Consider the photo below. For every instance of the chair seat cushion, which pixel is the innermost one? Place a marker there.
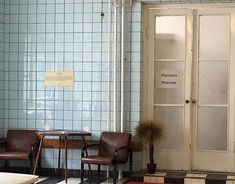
(97, 160)
(14, 155)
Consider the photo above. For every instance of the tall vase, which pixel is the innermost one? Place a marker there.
(151, 166)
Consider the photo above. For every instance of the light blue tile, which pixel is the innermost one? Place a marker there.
(87, 17)
(95, 125)
(87, 27)
(13, 19)
(12, 123)
(78, 17)
(68, 125)
(68, 27)
(86, 76)
(86, 116)
(59, 27)
(96, 96)
(13, 28)
(87, 47)
(39, 124)
(69, 37)
(41, 37)
(96, 65)
(78, 47)
(50, 27)
(78, 8)
(96, 76)
(69, 17)
(23, 19)
(50, 56)
(77, 116)
(50, 8)
(31, 124)
(97, 27)
(59, 37)
(59, 57)
(31, 8)
(59, 105)
(59, 47)
(50, 18)
(59, 125)
(14, 9)
(41, 18)
(50, 37)
(59, 17)
(88, 7)
(41, 8)
(59, 8)
(41, 28)
(50, 1)
(77, 102)
(68, 47)
(68, 7)
(68, 58)
(40, 47)
(68, 116)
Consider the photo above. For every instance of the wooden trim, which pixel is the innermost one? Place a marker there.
(77, 144)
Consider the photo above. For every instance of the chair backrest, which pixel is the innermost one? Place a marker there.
(20, 140)
(110, 141)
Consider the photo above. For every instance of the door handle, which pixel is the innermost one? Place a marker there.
(187, 101)
(193, 101)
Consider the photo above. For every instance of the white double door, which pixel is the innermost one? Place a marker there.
(190, 81)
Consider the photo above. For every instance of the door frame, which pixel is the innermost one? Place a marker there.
(146, 113)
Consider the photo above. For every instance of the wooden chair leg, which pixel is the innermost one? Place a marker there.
(114, 173)
(82, 172)
(98, 170)
(130, 162)
(31, 166)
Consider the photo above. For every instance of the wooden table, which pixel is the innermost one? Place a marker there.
(61, 134)
(15, 178)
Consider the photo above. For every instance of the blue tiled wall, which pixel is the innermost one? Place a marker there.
(65, 35)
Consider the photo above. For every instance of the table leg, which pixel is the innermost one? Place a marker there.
(59, 154)
(66, 154)
(38, 155)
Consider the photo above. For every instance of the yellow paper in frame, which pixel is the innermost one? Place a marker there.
(59, 79)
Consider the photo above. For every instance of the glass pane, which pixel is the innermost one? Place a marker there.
(212, 128)
(172, 119)
(214, 37)
(213, 82)
(169, 82)
(170, 37)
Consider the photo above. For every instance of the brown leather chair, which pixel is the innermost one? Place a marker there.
(20, 145)
(113, 149)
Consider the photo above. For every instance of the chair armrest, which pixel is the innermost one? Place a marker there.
(34, 149)
(90, 146)
(121, 148)
(3, 142)
(85, 147)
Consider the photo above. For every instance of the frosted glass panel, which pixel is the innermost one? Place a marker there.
(170, 37)
(213, 82)
(172, 119)
(212, 128)
(214, 37)
(169, 93)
